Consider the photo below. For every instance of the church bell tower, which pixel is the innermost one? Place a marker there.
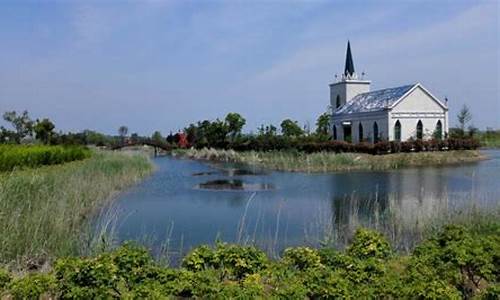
(348, 85)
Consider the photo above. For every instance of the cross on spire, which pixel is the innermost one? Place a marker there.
(349, 64)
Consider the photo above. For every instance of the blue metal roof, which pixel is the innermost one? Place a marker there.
(373, 101)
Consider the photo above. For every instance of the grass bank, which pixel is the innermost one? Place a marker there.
(489, 139)
(330, 162)
(32, 156)
(43, 211)
(458, 262)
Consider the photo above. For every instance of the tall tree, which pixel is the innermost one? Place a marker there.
(464, 117)
(22, 124)
(323, 124)
(157, 137)
(122, 131)
(291, 128)
(44, 130)
(235, 123)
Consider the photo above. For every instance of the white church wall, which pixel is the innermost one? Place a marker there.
(347, 90)
(367, 120)
(418, 105)
(409, 125)
(418, 100)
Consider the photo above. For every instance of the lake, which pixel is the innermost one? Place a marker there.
(185, 203)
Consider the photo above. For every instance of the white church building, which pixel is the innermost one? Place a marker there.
(393, 114)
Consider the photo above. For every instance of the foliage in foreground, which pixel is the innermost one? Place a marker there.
(43, 211)
(453, 264)
(31, 156)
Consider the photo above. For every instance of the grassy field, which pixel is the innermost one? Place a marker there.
(331, 162)
(43, 211)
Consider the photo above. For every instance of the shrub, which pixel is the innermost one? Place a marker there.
(302, 258)
(4, 279)
(323, 283)
(199, 258)
(369, 243)
(32, 286)
(239, 261)
(458, 259)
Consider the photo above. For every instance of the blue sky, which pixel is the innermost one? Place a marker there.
(159, 65)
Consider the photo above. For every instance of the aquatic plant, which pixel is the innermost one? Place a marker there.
(44, 212)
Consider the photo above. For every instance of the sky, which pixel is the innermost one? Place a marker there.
(160, 65)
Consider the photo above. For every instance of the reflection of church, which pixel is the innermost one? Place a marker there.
(405, 198)
(395, 114)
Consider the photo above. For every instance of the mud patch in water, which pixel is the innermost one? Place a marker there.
(234, 185)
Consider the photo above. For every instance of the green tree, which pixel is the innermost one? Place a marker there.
(44, 130)
(22, 124)
(323, 124)
(464, 117)
(235, 123)
(157, 137)
(291, 128)
(122, 131)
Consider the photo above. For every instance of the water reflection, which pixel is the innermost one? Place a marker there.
(234, 185)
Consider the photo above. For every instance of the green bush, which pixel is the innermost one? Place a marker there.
(32, 286)
(456, 258)
(369, 243)
(236, 261)
(32, 156)
(302, 258)
(4, 279)
(452, 264)
(199, 258)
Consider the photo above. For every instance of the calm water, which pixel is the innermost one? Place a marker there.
(177, 203)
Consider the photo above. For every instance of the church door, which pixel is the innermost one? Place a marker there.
(375, 132)
(347, 133)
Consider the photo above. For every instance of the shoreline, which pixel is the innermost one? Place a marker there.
(326, 162)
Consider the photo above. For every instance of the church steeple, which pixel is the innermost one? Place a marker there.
(349, 64)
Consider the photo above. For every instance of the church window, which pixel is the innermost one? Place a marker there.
(420, 130)
(397, 131)
(338, 101)
(438, 133)
(360, 132)
(334, 132)
(375, 132)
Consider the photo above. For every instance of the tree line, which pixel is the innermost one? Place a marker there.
(219, 133)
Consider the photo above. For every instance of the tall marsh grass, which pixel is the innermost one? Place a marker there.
(44, 212)
(30, 156)
(329, 162)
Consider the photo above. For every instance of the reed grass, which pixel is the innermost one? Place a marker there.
(45, 212)
(330, 162)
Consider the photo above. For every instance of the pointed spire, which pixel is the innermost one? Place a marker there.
(349, 64)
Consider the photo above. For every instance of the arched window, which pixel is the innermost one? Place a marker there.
(420, 130)
(397, 131)
(338, 101)
(375, 132)
(438, 133)
(360, 132)
(334, 132)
